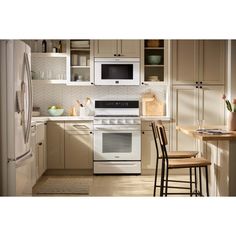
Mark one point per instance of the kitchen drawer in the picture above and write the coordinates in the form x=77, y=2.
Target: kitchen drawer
x=146, y=125
x=79, y=125
x=39, y=132
x=117, y=167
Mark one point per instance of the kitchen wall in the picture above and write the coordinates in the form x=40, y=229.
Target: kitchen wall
x=45, y=95
x=232, y=73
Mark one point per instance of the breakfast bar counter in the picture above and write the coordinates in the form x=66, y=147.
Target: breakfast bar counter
x=204, y=136
x=220, y=149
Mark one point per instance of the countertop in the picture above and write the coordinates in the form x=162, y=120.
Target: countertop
x=150, y=118
x=33, y=123
x=191, y=131
x=61, y=118
x=90, y=118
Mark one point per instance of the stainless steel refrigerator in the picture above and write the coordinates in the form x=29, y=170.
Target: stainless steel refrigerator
x=15, y=118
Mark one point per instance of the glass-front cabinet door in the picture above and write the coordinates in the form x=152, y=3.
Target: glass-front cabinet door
x=80, y=63
x=155, y=61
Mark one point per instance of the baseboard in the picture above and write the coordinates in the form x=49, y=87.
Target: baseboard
x=69, y=172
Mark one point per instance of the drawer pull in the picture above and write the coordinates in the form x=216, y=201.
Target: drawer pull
x=80, y=126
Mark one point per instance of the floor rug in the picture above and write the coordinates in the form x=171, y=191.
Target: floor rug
x=62, y=185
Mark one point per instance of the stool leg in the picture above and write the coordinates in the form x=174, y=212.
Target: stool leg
x=155, y=181
x=207, y=187
x=167, y=175
x=190, y=175
x=162, y=176
x=195, y=178
x=200, y=181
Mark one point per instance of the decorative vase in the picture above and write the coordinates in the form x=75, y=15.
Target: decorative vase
x=83, y=111
x=231, y=125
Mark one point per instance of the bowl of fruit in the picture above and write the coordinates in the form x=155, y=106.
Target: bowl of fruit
x=55, y=111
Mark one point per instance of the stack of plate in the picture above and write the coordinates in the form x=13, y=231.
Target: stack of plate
x=152, y=78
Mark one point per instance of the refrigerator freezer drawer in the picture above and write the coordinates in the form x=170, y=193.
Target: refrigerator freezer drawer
x=24, y=177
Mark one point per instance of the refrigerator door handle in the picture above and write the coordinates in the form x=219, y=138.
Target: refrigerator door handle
x=29, y=96
x=22, y=161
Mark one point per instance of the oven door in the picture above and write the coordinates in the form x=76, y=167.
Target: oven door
x=117, y=71
x=117, y=145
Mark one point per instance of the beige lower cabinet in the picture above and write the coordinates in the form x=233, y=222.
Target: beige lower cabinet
x=148, y=153
x=55, y=145
x=79, y=145
x=78, y=149
x=219, y=179
x=40, y=157
x=45, y=148
x=40, y=152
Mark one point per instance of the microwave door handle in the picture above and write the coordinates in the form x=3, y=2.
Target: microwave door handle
x=29, y=96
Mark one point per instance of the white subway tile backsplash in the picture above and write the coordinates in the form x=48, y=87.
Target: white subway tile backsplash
x=45, y=95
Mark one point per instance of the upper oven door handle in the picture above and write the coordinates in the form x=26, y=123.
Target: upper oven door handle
x=116, y=129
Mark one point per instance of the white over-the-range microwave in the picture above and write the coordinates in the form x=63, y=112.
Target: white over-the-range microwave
x=117, y=71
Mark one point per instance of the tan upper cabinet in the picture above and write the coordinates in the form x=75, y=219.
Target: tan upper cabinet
x=213, y=63
x=129, y=48
x=184, y=61
x=198, y=61
x=105, y=48
x=55, y=145
x=117, y=48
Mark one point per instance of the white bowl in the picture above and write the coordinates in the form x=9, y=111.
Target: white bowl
x=154, y=59
x=55, y=112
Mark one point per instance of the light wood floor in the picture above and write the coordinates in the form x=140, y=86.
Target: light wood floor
x=114, y=185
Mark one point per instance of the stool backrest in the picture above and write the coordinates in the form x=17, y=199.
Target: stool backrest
x=162, y=138
x=155, y=136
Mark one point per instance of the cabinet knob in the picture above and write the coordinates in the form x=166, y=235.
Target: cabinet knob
x=91, y=82
x=40, y=144
x=91, y=132
x=119, y=55
x=143, y=132
x=200, y=87
x=196, y=82
x=115, y=55
x=200, y=82
x=196, y=86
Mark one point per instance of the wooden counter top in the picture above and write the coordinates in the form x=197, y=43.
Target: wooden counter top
x=191, y=131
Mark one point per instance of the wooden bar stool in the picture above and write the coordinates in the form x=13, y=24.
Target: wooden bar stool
x=178, y=163
x=171, y=155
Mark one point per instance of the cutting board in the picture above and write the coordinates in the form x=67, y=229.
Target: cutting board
x=151, y=106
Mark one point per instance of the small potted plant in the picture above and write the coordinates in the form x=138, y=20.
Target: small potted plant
x=231, y=123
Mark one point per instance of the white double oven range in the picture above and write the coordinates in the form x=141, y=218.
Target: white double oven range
x=117, y=137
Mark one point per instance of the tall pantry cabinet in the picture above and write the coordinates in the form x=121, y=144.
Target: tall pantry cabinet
x=198, y=73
